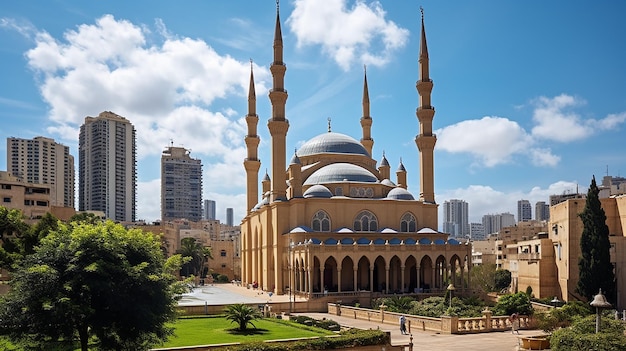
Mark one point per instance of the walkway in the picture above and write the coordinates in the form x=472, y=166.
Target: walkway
x=422, y=340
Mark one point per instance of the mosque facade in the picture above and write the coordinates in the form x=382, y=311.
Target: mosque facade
x=332, y=220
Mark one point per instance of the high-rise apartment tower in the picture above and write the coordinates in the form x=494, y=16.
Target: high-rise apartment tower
x=229, y=217
x=209, y=209
x=41, y=160
x=524, y=211
x=107, y=176
x=456, y=218
x=181, y=185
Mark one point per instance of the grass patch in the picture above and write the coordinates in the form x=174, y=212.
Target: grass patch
x=204, y=331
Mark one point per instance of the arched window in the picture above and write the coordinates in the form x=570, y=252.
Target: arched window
x=408, y=224
x=321, y=222
x=366, y=222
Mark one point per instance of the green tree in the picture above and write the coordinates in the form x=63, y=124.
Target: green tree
x=196, y=256
x=96, y=282
x=483, y=277
x=242, y=315
x=86, y=217
x=12, y=227
x=594, y=265
x=502, y=279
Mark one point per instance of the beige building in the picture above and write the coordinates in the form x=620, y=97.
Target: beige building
x=41, y=160
x=332, y=220
x=32, y=199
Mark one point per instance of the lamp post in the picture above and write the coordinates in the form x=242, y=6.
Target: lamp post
x=599, y=302
x=555, y=301
x=451, y=289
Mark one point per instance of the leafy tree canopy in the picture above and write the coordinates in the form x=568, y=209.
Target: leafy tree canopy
x=502, y=279
x=97, y=281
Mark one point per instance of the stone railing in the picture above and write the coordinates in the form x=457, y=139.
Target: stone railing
x=444, y=324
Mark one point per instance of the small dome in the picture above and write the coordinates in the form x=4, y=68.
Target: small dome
x=338, y=172
x=332, y=142
x=318, y=191
x=400, y=194
x=401, y=167
x=388, y=182
x=295, y=160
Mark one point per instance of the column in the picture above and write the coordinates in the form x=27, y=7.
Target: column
x=386, y=279
x=356, y=272
x=339, y=280
x=402, y=279
x=371, y=278
x=418, y=278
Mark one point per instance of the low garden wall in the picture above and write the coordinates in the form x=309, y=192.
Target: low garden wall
x=444, y=324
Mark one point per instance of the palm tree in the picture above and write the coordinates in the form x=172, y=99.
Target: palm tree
x=242, y=315
x=197, y=255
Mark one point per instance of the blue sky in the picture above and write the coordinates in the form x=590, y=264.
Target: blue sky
x=530, y=96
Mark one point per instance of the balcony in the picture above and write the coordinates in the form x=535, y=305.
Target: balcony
x=532, y=256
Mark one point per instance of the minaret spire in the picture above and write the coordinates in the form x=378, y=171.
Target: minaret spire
x=278, y=124
x=425, y=140
x=252, y=163
x=366, y=120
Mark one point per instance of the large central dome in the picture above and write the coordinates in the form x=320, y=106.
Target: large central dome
x=332, y=143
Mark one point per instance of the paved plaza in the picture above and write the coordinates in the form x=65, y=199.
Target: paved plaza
x=422, y=340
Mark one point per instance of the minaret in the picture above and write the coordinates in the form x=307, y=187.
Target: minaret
x=278, y=124
x=252, y=163
x=425, y=140
x=366, y=120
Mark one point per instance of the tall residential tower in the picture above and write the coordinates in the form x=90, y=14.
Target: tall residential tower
x=107, y=176
x=181, y=185
x=43, y=161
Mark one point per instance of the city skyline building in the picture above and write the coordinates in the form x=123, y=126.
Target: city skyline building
x=107, y=177
x=230, y=217
x=181, y=185
x=542, y=211
x=494, y=222
x=456, y=218
x=524, y=211
x=209, y=210
x=477, y=231
x=41, y=160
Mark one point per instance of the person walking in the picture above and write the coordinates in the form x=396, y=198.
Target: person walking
x=403, y=325
x=514, y=323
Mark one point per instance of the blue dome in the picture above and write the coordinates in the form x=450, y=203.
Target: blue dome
x=318, y=191
x=400, y=194
x=338, y=172
x=332, y=143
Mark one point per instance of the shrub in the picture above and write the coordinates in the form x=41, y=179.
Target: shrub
x=581, y=336
x=562, y=317
x=222, y=279
x=513, y=303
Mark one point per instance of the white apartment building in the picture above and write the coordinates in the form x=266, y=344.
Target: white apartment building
x=41, y=160
x=107, y=175
x=456, y=218
x=181, y=185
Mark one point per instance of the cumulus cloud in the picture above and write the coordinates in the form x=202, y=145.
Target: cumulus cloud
x=484, y=199
x=498, y=140
x=360, y=33
x=556, y=120
x=168, y=87
x=493, y=140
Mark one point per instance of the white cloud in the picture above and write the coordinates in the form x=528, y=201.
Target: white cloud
x=360, y=33
x=493, y=140
x=544, y=157
x=165, y=90
x=484, y=200
x=555, y=120
x=149, y=196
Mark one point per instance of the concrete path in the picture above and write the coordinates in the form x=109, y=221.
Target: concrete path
x=432, y=341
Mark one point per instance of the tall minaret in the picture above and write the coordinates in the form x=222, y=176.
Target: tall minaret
x=425, y=140
x=278, y=124
x=252, y=163
x=366, y=120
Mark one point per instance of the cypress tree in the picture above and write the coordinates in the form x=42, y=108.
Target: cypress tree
x=594, y=266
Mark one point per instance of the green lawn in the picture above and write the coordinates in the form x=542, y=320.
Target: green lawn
x=218, y=330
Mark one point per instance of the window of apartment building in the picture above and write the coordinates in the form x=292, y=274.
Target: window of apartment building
x=223, y=253
x=223, y=265
x=6, y=186
x=6, y=200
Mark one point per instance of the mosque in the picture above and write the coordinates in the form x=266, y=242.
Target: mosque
x=332, y=221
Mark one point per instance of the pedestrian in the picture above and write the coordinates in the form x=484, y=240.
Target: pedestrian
x=514, y=323
x=402, y=325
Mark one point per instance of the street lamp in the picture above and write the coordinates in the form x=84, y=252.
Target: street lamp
x=555, y=301
x=599, y=302
x=451, y=289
